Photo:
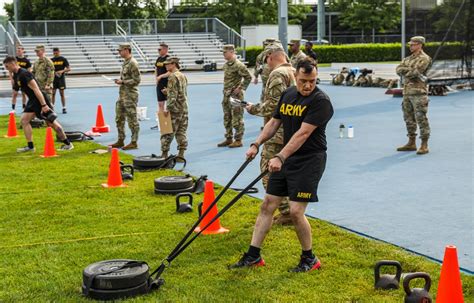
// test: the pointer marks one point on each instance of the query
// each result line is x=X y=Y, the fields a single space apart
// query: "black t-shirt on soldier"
x=293 y=109
x=23 y=62
x=160 y=70
x=21 y=80
x=60 y=63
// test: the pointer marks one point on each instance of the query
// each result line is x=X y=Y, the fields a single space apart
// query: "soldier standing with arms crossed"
x=296 y=52
x=177 y=107
x=126 y=106
x=415 y=95
x=236 y=80
x=43 y=70
x=281 y=78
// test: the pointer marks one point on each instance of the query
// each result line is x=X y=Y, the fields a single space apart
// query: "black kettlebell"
x=417 y=295
x=387 y=281
x=127 y=171
x=184 y=207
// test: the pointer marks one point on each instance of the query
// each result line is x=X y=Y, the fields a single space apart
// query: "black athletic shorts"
x=298 y=178
x=33 y=106
x=59 y=83
x=159 y=93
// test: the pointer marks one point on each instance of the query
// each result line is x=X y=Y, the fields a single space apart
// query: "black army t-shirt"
x=293 y=109
x=60 y=63
x=21 y=80
x=23 y=62
x=160 y=70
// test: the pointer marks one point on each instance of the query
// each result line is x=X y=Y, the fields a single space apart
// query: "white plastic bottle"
x=350 y=132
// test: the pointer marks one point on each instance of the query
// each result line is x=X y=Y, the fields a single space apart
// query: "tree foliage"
x=444 y=14
x=381 y=15
x=87 y=9
x=237 y=13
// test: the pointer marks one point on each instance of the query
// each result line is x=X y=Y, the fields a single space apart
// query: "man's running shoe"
x=248 y=261
x=66 y=147
x=25 y=149
x=64 y=110
x=307 y=264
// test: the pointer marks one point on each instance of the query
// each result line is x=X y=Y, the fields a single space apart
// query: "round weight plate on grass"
x=151 y=161
x=173 y=182
x=113 y=294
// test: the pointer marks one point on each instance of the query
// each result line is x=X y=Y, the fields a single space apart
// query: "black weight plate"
x=173 y=191
x=37 y=123
x=123 y=278
x=148 y=161
x=173 y=182
x=72 y=136
x=101 y=294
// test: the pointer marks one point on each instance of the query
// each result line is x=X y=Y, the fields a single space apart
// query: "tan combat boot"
x=423 y=148
x=282 y=219
x=164 y=155
x=118 y=144
x=132 y=145
x=180 y=154
x=225 y=143
x=410 y=146
x=236 y=143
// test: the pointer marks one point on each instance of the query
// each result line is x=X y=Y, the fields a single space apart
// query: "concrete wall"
x=255 y=34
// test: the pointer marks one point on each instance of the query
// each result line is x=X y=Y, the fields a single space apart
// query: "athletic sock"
x=30 y=145
x=13 y=106
x=308 y=253
x=66 y=141
x=254 y=251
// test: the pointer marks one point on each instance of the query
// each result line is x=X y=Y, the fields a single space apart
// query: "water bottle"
x=341 y=130
x=350 y=132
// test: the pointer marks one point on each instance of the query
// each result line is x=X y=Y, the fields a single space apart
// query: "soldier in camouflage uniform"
x=177 y=107
x=261 y=68
x=281 y=77
x=339 y=78
x=381 y=82
x=236 y=80
x=364 y=79
x=415 y=95
x=126 y=106
x=43 y=70
x=296 y=52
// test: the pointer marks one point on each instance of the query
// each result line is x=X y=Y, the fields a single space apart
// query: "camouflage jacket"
x=279 y=80
x=177 y=100
x=262 y=69
x=295 y=58
x=234 y=72
x=413 y=69
x=43 y=70
x=130 y=76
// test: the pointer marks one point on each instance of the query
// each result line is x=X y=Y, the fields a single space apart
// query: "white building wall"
x=255 y=34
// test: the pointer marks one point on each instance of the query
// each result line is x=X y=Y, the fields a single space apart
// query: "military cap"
x=294 y=41
x=270 y=40
x=417 y=39
x=55 y=49
x=171 y=60
x=39 y=47
x=271 y=48
x=123 y=46
x=228 y=47
x=162 y=44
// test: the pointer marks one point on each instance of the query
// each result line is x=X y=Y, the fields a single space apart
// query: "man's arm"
x=50 y=71
x=268 y=132
x=34 y=86
x=172 y=93
x=135 y=76
x=274 y=90
x=298 y=139
x=247 y=77
x=419 y=69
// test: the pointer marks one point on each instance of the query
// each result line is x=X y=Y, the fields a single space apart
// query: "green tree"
x=88 y=9
x=443 y=15
x=365 y=15
x=236 y=13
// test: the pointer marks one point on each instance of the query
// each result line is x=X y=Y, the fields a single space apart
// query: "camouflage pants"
x=179 y=121
x=233 y=119
x=415 y=108
x=268 y=152
x=126 y=110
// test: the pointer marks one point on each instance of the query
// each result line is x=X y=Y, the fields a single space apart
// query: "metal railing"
x=7 y=40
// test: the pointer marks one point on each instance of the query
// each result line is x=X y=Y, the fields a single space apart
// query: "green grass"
x=55 y=219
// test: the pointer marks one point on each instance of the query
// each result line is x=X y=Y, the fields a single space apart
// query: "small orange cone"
x=115 y=175
x=49 y=150
x=100 y=126
x=215 y=227
x=450 y=287
x=11 y=133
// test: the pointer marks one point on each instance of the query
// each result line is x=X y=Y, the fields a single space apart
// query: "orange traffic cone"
x=49 y=150
x=11 y=133
x=450 y=287
x=115 y=175
x=215 y=227
x=100 y=126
